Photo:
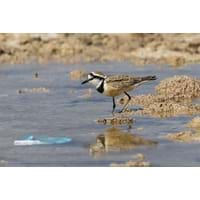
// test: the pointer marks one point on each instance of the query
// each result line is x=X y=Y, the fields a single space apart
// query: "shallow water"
x=64 y=112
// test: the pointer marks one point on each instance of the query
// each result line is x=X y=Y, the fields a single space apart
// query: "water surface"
x=63 y=112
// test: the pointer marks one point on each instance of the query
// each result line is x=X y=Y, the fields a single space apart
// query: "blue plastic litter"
x=37 y=140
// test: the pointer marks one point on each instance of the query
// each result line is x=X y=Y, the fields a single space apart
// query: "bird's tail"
x=139 y=80
x=148 y=78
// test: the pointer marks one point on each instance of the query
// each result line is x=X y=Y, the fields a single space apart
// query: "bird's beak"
x=87 y=80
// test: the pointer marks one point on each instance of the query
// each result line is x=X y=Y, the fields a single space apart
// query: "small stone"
x=36 y=75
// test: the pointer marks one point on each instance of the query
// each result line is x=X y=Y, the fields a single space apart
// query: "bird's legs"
x=129 y=98
x=114 y=105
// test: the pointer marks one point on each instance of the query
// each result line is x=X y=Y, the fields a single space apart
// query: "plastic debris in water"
x=38 y=140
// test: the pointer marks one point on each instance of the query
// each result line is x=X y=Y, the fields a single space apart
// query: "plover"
x=116 y=85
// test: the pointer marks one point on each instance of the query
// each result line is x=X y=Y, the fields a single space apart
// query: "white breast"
x=95 y=82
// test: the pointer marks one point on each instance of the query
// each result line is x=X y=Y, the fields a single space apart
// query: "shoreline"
x=172 y=49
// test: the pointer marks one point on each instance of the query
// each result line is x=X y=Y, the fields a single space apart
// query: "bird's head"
x=95 y=78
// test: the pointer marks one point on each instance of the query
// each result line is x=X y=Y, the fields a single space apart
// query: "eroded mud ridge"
x=172 y=49
x=173 y=96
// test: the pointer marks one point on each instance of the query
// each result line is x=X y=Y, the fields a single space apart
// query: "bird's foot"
x=121 y=111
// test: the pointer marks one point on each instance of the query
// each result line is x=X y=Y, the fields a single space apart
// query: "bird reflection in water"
x=115 y=139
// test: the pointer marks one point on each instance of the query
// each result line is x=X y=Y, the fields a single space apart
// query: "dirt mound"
x=173 y=96
x=179 y=88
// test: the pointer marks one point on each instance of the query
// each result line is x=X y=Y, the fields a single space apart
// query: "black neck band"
x=101 y=87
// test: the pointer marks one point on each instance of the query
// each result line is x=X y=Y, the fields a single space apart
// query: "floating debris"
x=33 y=90
x=137 y=161
x=116 y=121
x=40 y=140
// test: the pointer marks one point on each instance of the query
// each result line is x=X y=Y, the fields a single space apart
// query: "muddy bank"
x=172 y=97
x=172 y=49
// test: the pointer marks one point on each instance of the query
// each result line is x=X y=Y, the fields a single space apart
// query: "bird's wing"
x=122 y=81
